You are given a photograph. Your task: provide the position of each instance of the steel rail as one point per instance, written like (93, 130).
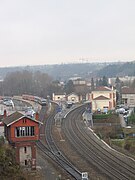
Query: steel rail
(74, 138)
(52, 148)
(120, 161)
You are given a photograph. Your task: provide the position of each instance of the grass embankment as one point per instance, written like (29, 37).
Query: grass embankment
(108, 128)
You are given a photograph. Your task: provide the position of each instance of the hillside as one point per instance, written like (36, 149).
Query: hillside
(65, 71)
(59, 72)
(119, 69)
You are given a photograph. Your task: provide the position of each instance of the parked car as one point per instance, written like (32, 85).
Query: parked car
(29, 112)
(120, 110)
(8, 102)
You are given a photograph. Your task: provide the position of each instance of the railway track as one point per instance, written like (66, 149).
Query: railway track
(115, 165)
(51, 149)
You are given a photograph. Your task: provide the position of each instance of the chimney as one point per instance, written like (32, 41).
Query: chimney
(5, 113)
(37, 116)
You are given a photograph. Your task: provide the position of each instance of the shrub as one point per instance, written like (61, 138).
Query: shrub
(101, 116)
(8, 166)
(131, 119)
(127, 146)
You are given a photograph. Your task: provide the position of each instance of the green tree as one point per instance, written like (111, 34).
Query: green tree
(100, 82)
(92, 84)
(118, 85)
(8, 167)
(105, 81)
(69, 87)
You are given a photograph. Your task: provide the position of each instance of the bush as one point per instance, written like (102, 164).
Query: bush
(101, 116)
(8, 166)
(127, 146)
(131, 119)
(1, 141)
(117, 142)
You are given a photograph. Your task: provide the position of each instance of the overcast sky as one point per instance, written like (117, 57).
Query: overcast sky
(61, 31)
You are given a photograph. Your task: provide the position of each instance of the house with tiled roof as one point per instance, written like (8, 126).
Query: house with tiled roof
(74, 97)
(128, 96)
(58, 97)
(22, 132)
(103, 98)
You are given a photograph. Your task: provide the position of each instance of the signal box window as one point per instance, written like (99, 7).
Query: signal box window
(24, 131)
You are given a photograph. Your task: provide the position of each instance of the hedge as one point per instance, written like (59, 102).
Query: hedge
(101, 116)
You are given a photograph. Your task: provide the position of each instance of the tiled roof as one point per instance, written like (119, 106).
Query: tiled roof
(59, 94)
(128, 90)
(72, 94)
(101, 98)
(12, 118)
(15, 117)
(103, 88)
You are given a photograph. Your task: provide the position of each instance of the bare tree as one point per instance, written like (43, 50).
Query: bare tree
(18, 83)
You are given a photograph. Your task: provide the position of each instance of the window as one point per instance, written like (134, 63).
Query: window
(25, 149)
(24, 120)
(26, 163)
(24, 131)
(125, 101)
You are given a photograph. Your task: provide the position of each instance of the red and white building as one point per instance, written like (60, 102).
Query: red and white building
(22, 132)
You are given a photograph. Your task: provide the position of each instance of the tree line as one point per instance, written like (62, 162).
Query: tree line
(41, 84)
(25, 82)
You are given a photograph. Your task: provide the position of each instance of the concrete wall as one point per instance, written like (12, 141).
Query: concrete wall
(100, 104)
(25, 155)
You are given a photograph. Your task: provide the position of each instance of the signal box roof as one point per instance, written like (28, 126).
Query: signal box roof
(16, 116)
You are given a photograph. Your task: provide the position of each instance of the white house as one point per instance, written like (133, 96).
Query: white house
(58, 97)
(103, 98)
(73, 97)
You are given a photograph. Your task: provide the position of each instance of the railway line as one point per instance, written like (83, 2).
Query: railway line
(51, 149)
(46, 143)
(115, 165)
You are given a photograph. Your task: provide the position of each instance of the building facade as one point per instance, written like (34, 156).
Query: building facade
(22, 132)
(73, 97)
(103, 98)
(58, 97)
(128, 96)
